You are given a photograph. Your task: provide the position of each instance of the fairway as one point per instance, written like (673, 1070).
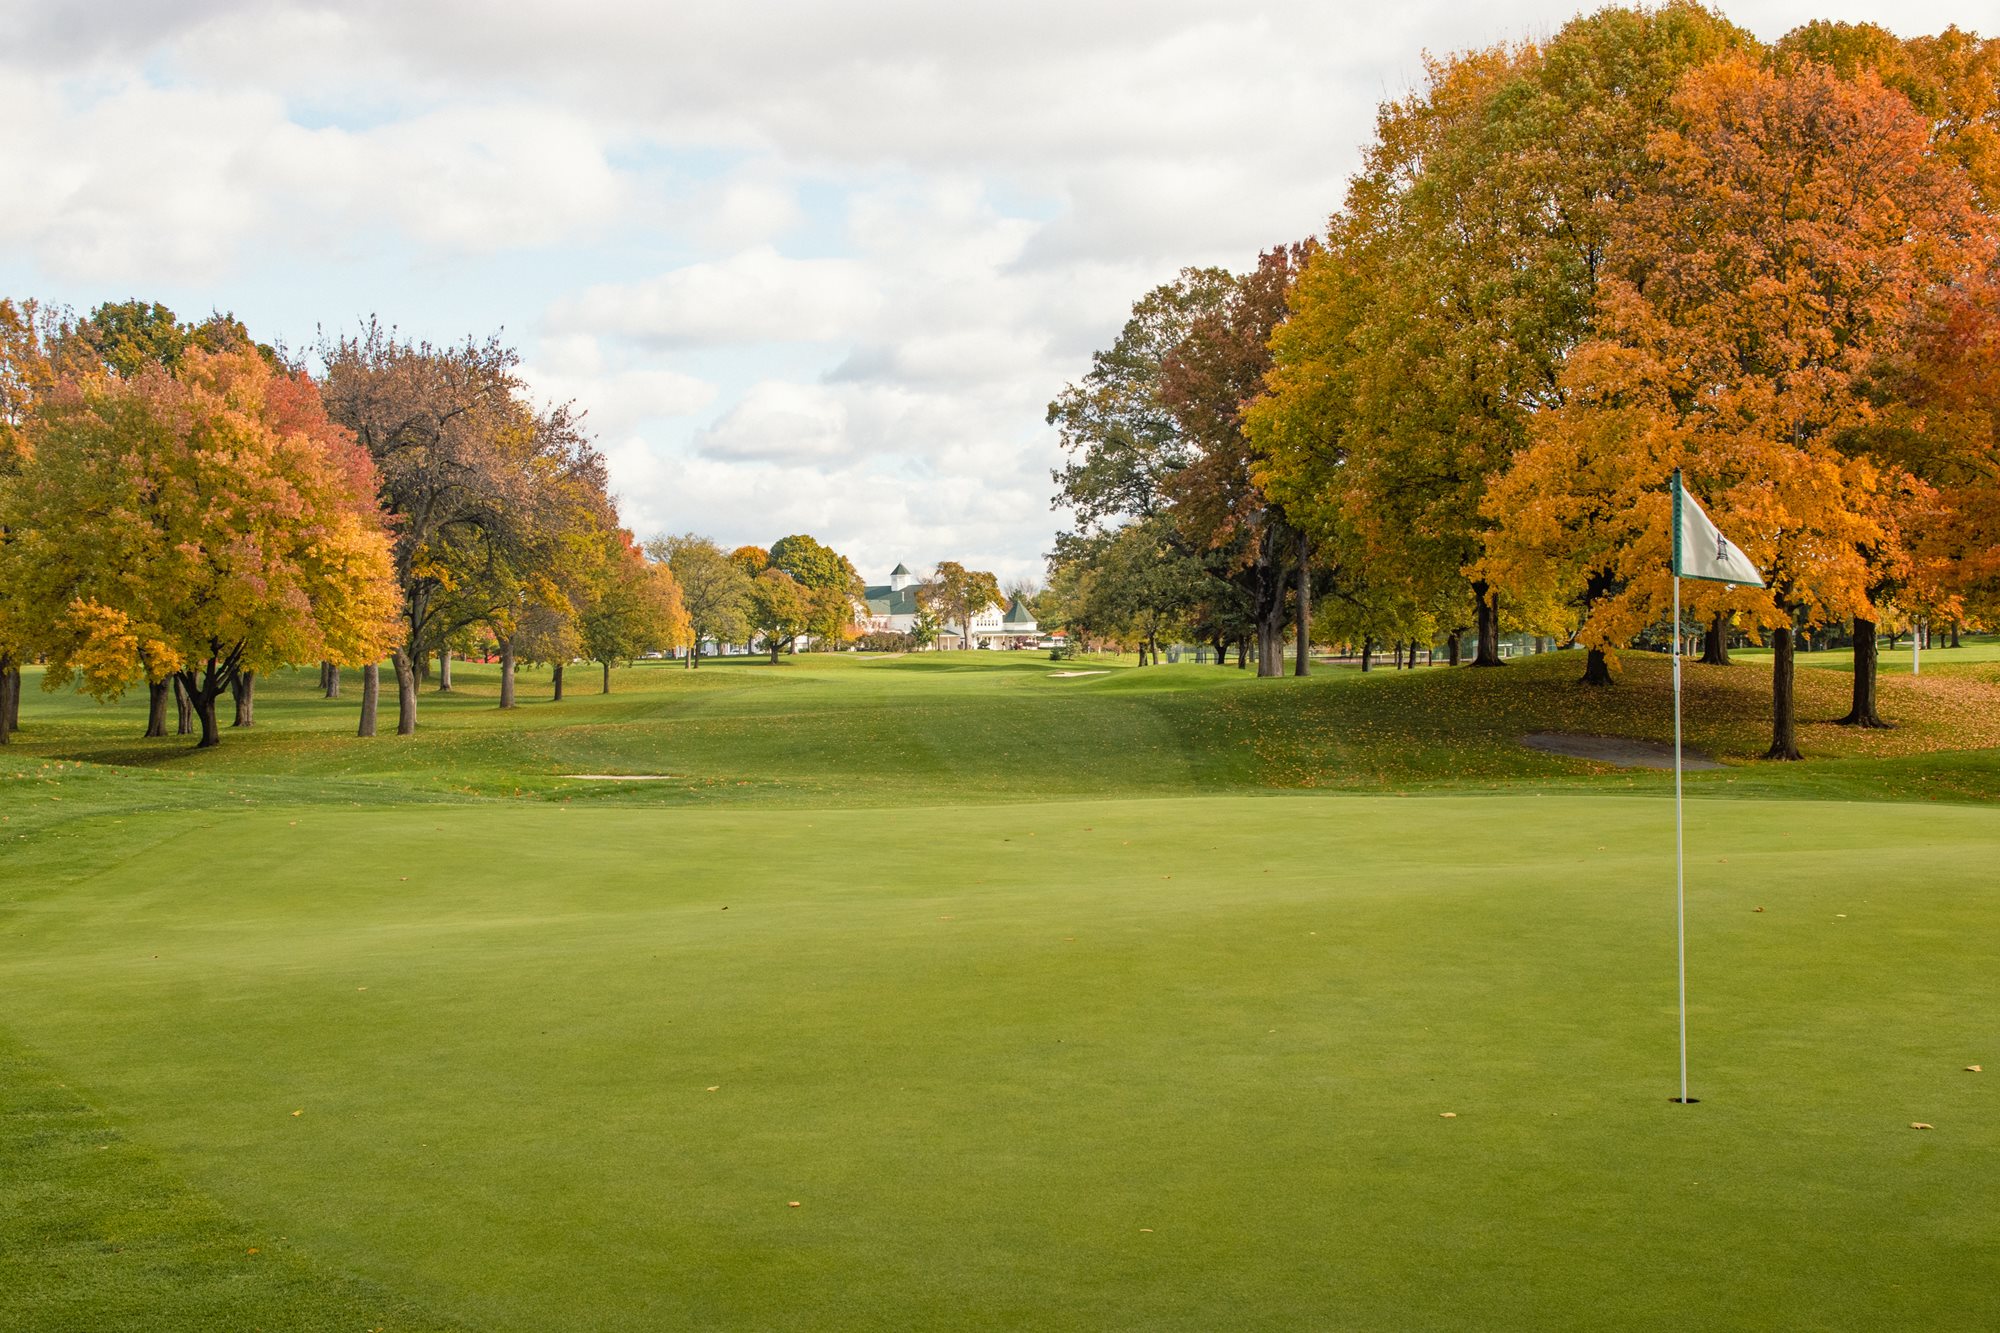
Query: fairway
(382, 1058)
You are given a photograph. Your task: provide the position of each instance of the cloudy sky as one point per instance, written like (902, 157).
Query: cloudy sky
(809, 267)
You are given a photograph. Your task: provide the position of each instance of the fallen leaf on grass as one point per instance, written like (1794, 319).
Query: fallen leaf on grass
(793, 1204)
(1918, 1124)
(300, 1111)
(1756, 909)
(1974, 1069)
(1447, 1115)
(717, 1087)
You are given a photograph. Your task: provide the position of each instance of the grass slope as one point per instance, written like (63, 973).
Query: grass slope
(1043, 1004)
(1004, 727)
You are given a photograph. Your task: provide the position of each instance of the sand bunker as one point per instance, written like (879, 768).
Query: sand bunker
(1065, 675)
(1620, 750)
(623, 777)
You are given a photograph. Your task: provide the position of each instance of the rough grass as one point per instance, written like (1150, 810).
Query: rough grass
(1054, 1003)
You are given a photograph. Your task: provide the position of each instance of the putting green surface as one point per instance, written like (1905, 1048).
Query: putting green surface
(1132, 1063)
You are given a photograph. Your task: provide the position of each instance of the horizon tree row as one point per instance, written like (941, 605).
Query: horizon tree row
(1566, 269)
(803, 591)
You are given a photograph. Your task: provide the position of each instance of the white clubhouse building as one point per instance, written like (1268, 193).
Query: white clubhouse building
(892, 608)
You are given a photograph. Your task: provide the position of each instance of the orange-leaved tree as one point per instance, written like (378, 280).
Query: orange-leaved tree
(197, 526)
(1793, 221)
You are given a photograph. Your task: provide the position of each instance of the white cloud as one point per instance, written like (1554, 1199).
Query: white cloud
(779, 421)
(757, 295)
(460, 180)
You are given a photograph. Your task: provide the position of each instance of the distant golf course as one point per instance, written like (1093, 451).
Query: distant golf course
(950, 992)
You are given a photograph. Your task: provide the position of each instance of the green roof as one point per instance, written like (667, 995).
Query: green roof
(884, 600)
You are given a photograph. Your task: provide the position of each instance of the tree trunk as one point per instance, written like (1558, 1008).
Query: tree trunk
(371, 694)
(406, 693)
(444, 671)
(8, 675)
(1242, 653)
(1954, 634)
(329, 680)
(506, 673)
(1270, 604)
(1715, 642)
(183, 709)
(1302, 662)
(1367, 652)
(156, 708)
(1451, 646)
(211, 730)
(1596, 670)
(607, 679)
(558, 682)
(1784, 703)
(1486, 609)
(773, 643)
(202, 692)
(244, 689)
(1863, 713)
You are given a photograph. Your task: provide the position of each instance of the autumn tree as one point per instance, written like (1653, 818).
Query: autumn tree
(470, 475)
(1123, 442)
(958, 594)
(1791, 223)
(1155, 428)
(197, 526)
(1938, 399)
(636, 608)
(829, 580)
(779, 609)
(27, 377)
(1143, 583)
(1455, 282)
(1220, 509)
(714, 590)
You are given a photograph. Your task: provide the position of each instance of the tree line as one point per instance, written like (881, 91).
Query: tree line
(1565, 269)
(801, 591)
(182, 508)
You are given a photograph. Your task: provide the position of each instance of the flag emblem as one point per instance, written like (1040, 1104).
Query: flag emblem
(1700, 549)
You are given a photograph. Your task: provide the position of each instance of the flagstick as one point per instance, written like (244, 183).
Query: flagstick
(1916, 646)
(1680, 851)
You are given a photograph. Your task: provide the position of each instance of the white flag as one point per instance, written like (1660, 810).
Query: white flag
(1700, 549)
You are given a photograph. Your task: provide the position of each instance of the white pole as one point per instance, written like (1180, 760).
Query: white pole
(1916, 646)
(1680, 856)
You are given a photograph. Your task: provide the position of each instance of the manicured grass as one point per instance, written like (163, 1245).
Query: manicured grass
(1976, 655)
(1053, 1003)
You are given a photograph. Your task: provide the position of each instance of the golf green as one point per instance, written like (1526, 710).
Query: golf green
(1228, 1061)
